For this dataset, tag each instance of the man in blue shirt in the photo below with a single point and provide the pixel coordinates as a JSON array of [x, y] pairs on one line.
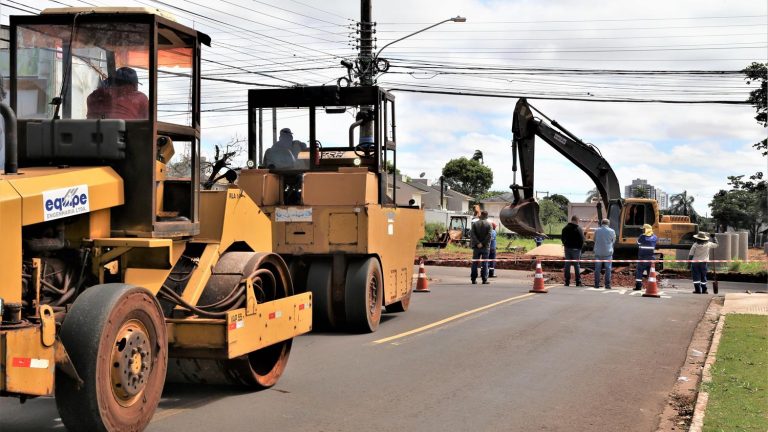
[[605, 237], [646, 247]]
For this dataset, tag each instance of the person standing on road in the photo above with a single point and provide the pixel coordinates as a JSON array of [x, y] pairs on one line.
[[480, 242], [572, 237], [605, 237], [700, 252], [646, 244], [492, 252]]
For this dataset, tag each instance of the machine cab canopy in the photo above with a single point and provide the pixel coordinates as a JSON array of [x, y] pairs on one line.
[[90, 57], [117, 87]]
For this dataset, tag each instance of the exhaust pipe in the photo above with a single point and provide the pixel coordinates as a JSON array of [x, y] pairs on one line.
[[11, 143]]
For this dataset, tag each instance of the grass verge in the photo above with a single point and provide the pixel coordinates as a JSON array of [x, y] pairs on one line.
[[501, 246], [738, 393], [736, 266]]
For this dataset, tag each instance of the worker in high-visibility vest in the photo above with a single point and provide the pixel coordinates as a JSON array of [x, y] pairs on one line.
[[646, 244]]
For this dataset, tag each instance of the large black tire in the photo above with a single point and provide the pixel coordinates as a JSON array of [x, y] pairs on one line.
[[262, 368], [363, 295], [319, 281], [402, 305], [115, 335]]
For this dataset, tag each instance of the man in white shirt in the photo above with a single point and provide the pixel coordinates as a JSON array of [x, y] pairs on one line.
[[700, 255]]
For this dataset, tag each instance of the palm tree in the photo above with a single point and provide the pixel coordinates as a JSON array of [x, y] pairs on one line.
[[478, 156], [682, 204], [593, 196], [640, 193]]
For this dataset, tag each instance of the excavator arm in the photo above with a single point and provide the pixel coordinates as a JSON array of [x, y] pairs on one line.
[[522, 216]]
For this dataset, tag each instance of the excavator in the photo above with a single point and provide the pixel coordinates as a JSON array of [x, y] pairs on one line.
[[627, 215]]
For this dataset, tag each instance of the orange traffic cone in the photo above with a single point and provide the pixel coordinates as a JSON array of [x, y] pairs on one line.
[[421, 283], [538, 280], [651, 288]]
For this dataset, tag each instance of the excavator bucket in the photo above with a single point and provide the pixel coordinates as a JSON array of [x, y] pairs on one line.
[[522, 218]]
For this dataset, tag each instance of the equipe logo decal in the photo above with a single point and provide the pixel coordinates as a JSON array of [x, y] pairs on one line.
[[59, 203]]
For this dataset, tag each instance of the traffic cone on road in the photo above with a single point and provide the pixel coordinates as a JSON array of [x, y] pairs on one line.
[[651, 287], [538, 280], [421, 282]]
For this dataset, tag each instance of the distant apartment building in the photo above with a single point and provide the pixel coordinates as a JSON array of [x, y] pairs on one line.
[[649, 191]]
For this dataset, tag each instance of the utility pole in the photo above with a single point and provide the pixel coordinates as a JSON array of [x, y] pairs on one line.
[[365, 61]]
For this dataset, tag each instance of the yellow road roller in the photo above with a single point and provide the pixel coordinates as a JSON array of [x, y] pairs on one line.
[[340, 217], [116, 270]]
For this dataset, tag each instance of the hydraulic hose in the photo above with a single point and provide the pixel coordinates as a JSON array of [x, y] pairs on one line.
[[11, 140]]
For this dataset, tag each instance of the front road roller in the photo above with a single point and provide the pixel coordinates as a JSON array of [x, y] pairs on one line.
[[116, 269]]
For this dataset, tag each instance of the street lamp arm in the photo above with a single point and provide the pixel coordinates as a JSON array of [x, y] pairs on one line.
[[455, 19]]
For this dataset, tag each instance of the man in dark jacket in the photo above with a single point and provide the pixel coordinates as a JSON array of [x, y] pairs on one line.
[[480, 242], [573, 240]]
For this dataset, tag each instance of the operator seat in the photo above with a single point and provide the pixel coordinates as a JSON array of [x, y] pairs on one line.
[[279, 158]]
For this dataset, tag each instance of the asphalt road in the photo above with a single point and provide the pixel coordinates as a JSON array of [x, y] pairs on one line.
[[571, 360]]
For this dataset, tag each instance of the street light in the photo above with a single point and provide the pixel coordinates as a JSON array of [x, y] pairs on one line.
[[454, 19]]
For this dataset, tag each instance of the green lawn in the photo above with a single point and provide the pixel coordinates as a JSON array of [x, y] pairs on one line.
[[738, 393], [736, 266], [501, 246]]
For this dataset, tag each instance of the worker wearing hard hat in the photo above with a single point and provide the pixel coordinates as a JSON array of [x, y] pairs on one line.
[[646, 244], [700, 255]]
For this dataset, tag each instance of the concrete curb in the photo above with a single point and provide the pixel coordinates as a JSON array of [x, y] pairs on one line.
[[702, 399]]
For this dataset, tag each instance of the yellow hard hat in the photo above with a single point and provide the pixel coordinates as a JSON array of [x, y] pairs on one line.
[[648, 230]]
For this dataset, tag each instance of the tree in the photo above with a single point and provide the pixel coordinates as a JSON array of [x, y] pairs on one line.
[[640, 193], [593, 196], [468, 176], [560, 200], [478, 156], [682, 204], [391, 168], [550, 213], [489, 194], [180, 165], [758, 72], [743, 206]]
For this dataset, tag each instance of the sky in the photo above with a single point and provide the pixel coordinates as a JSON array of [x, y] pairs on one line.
[[676, 147]]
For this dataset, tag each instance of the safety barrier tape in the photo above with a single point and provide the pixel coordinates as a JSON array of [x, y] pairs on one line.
[[591, 261]]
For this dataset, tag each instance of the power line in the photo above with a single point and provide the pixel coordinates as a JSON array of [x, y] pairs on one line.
[[579, 29], [584, 38], [293, 12], [238, 27], [278, 18], [534, 97], [322, 10], [558, 51], [586, 20], [33, 10], [707, 60]]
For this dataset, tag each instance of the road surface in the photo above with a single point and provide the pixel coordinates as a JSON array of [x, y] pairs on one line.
[[463, 358]]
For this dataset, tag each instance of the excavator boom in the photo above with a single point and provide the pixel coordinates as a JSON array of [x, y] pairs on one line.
[[522, 216]]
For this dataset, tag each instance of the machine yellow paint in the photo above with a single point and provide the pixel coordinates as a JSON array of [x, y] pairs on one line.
[[139, 229], [10, 253], [27, 363], [671, 230], [339, 220]]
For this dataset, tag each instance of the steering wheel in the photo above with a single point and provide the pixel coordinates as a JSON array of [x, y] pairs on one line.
[[365, 150]]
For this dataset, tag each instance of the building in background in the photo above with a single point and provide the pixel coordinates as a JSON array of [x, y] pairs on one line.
[[649, 191]]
